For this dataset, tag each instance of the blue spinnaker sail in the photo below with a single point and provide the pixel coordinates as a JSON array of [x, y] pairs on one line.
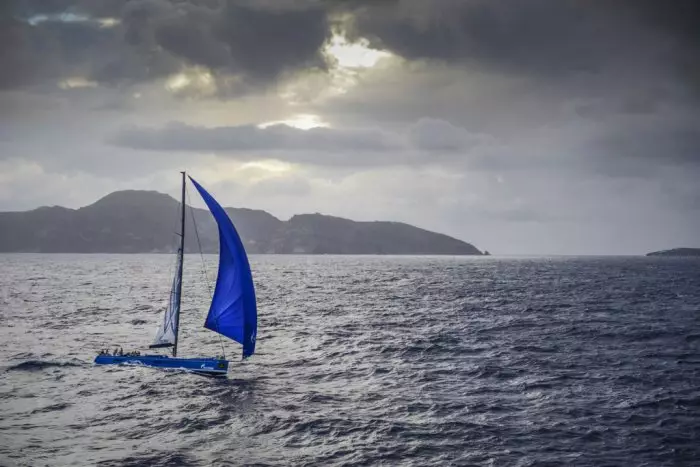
[[233, 311]]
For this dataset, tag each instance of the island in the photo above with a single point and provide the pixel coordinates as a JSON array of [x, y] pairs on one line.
[[676, 252], [135, 221]]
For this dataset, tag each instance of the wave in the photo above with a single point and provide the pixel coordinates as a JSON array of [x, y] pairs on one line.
[[51, 408], [38, 365], [154, 459]]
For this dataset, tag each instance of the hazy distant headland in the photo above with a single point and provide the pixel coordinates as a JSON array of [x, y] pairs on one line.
[[145, 222], [676, 252]]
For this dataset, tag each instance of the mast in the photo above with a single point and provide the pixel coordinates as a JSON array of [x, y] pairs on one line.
[[181, 252]]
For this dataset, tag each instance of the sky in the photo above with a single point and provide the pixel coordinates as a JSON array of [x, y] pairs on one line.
[[523, 127]]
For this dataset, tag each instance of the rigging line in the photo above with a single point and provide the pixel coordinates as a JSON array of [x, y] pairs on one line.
[[204, 265]]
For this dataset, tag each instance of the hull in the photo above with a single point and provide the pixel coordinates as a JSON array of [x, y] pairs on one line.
[[207, 366]]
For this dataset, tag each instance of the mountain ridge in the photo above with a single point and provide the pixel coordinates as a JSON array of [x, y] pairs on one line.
[[146, 221]]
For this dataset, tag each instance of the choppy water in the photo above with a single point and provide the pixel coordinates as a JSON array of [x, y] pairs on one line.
[[361, 361]]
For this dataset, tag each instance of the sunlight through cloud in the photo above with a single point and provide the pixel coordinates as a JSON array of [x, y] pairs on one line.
[[76, 83], [354, 55], [194, 80], [299, 121]]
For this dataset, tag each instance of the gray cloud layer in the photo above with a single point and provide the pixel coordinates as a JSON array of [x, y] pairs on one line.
[[182, 137], [256, 42], [261, 40], [322, 146], [542, 37]]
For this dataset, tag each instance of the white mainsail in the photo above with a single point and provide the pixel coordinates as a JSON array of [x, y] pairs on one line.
[[167, 332]]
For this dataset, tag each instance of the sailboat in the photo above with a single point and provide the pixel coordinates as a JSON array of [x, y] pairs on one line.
[[232, 312]]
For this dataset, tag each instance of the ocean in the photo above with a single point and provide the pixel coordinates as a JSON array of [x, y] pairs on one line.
[[416, 361]]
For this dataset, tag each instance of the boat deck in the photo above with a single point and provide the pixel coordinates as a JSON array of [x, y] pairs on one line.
[[209, 366]]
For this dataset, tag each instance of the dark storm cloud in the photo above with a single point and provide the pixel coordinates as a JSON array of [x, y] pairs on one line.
[[534, 36], [231, 37], [258, 42], [55, 50], [261, 40], [678, 18]]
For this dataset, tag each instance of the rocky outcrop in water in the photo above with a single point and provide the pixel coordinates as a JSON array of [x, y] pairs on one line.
[[676, 252]]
